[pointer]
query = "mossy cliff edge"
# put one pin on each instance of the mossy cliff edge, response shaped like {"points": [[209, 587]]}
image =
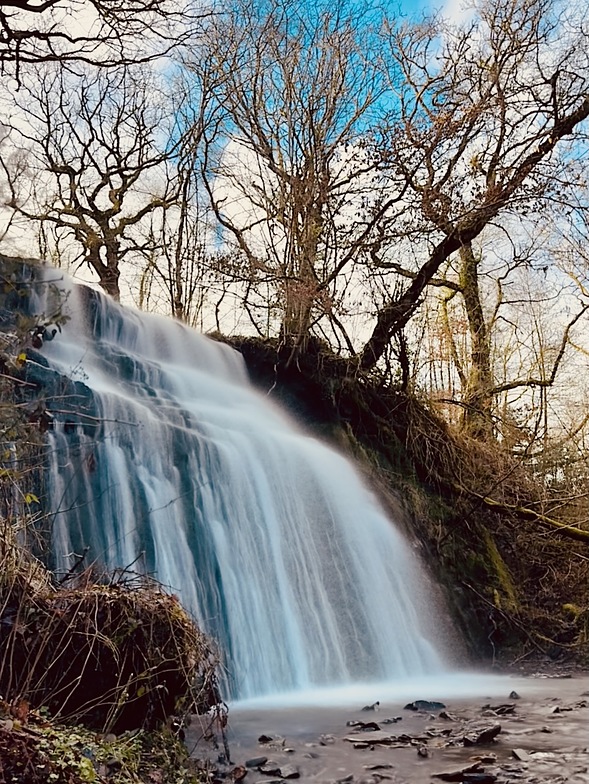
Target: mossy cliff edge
{"points": [[510, 577]]}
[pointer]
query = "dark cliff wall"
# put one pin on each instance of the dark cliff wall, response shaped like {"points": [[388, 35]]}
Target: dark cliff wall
{"points": [[516, 591]]}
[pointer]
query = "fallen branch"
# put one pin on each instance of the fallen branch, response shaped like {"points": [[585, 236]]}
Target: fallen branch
{"points": [[569, 531]]}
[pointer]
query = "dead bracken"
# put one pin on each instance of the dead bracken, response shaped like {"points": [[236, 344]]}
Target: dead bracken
{"points": [[113, 657]]}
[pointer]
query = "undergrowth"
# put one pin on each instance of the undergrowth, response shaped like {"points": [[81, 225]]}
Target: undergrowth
{"points": [[35, 749], [96, 680], [112, 657]]}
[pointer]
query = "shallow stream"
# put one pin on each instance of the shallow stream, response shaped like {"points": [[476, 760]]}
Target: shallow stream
{"points": [[310, 731]]}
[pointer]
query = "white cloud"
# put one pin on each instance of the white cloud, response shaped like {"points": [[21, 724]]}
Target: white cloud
{"points": [[457, 12]]}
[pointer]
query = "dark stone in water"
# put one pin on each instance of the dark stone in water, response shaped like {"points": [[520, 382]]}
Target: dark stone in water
{"points": [[255, 762], [447, 716], [479, 737], [379, 766], [458, 774], [424, 705], [372, 707], [501, 710], [270, 769], [363, 725]]}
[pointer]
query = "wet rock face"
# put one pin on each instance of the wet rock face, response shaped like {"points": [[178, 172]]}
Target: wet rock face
{"points": [[16, 278], [69, 402], [48, 395]]}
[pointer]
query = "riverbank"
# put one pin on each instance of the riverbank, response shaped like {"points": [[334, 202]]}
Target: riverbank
{"points": [[509, 728]]}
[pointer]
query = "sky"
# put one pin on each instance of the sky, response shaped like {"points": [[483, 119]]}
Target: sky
{"points": [[453, 10]]}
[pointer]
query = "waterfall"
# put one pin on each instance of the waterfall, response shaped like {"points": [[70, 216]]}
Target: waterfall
{"points": [[168, 459]]}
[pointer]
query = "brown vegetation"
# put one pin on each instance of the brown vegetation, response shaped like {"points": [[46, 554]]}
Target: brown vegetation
{"points": [[112, 657]]}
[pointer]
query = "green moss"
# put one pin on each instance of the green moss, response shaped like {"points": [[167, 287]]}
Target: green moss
{"points": [[572, 611], [504, 593], [36, 750]]}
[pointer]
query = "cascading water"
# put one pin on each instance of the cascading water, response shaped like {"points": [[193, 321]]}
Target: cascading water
{"points": [[174, 463]]}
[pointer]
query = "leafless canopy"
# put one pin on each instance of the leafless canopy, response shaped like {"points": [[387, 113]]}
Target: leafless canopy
{"points": [[287, 181], [98, 162], [103, 32], [488, 116]]}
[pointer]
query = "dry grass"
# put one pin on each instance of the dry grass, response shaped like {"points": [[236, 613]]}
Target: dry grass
{"points": [[112, 657]]}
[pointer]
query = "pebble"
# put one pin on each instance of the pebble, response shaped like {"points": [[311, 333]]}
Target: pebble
{"points": [[289, 772], [520, 754], [255, 762]]}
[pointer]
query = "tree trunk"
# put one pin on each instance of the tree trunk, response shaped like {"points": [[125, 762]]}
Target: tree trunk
{"points": [[477, 394], [301, 290], [298, 305], [395, 314], [110, 279]]}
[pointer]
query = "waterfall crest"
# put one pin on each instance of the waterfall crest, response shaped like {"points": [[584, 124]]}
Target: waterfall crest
{"points": [[269, 537]]}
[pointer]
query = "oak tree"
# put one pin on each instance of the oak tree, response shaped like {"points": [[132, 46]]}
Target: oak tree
{"points": [[100, 152]]}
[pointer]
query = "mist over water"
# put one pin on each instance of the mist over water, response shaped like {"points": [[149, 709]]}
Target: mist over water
{"points": [[176, 465], [449, 686]]}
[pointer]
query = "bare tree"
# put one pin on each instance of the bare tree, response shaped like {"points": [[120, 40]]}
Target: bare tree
{"points": [[504, 320], [290, 177], [181, 271], [10, 161], [490, 115], [176, 254], [100, 152], [101, 32]]}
